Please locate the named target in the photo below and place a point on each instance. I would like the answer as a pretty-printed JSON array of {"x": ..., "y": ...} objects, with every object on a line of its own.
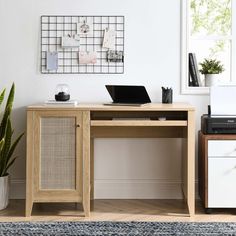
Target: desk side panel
[
  {"x": 86, "y": 162},
  {"x": 191, "y": 163},
  {"x": 29, "y": 163}
]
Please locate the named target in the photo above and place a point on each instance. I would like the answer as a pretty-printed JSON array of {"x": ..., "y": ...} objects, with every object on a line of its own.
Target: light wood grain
[
  {"x": 36, "y": 146},
  {"x": 34, "y": 191},
  {"x": 29, "y": 164},
  {"x": 57, "y": 196},
  {"x": 116, "y": 210},
  {"x": 79, "y": 156},
  {"x": 89, "y": 129},
  {"x": 101, "y": 107},
  {"x": 191, "y": 163},
  {"x": 52, "y": 195},
  {"x": 86, "y": 162}
]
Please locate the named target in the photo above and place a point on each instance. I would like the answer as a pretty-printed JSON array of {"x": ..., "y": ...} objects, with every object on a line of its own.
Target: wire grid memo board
[{"x": 54, "y": 27}]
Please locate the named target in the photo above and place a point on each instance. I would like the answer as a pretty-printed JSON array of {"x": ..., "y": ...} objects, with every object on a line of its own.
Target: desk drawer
[{"x": 222, "y": 148}]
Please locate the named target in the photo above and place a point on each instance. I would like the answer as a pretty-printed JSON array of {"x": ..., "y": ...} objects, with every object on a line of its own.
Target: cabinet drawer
[
  {"x": 222, "y": 148},
  {"x": 221, "y": 182}
]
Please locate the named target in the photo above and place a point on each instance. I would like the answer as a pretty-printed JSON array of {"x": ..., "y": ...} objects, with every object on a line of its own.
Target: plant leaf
[
  {"x": 7, "y": 111},
  {"x": 2, "y": 144},
  {"x": 7, "y": 145},
  {"x": 3, "y": 124},
  {"x": 2, "y": 157},
  {"x": 8, "y": 135},
  {"x": 10, "y": 98},
  {"x": 12, "y": 149},
  {"x": 8, "y": 166},
  {"x": 6, "y": 132},
  {"x": 2, "y": 96}
]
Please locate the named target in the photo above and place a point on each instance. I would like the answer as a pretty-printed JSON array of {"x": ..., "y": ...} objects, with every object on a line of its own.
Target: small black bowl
[{"x": 62, "y": 97}]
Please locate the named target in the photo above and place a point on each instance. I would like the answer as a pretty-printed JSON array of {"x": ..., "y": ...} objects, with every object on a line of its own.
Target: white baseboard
[{"x": 120, "y": 189}]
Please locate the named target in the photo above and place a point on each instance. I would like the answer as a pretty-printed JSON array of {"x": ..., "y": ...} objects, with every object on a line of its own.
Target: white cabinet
[
  {"x": 221, "y": 182},
  {"x": 221, "y": 173},
  {"x": 217, "y": 170}
]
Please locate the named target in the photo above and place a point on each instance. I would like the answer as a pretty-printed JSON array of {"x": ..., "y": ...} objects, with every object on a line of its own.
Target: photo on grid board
[
  {"x": 87, "y": 57},
  {"x": 85, "y": 28},
  {"x": 115, "y": 56}
]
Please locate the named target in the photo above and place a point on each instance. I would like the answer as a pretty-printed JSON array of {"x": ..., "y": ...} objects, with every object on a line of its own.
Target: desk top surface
[{"x": 101, "y": 107}]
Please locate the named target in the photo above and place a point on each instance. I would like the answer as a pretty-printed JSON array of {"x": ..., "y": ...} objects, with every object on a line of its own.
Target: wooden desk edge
[{"x": 101, "y": 107}]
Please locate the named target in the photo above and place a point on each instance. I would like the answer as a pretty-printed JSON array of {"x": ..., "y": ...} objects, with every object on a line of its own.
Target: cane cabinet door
[{"x": 58, "y": 156}]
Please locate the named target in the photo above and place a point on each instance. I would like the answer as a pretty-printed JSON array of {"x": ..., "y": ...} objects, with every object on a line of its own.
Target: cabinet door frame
[{"x": 59, "y": 195}]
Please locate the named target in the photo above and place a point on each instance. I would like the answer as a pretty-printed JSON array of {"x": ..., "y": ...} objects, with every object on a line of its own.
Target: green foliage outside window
[{"x": 211, "y": 17}]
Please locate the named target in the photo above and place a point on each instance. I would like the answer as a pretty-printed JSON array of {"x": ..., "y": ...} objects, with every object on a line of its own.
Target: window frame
[{"x": 185, "y": 89}]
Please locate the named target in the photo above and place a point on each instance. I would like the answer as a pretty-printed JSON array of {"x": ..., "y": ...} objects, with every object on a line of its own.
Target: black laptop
[{"x": 133, "y": 95}]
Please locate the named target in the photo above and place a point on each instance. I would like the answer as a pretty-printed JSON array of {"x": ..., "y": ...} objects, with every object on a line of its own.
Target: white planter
[
  {"x": 211, "y": 80},
  {"x": 4, "y": 191}
]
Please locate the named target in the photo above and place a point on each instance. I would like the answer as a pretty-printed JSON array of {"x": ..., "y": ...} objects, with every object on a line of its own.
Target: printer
[
  {"x": 218, "y": 125},
  {"x": 221, "y": 117}
]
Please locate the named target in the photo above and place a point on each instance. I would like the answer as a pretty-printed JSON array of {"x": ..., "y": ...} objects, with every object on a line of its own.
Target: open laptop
[{"x": 129, "y": 95}]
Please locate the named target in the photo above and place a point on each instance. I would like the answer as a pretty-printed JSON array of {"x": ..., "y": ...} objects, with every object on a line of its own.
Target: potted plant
[
  {"x": 7, "y": 147},
  {"x": 211, "y": 68}
]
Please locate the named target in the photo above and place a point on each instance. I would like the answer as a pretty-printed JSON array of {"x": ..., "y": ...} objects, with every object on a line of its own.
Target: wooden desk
[{"x": 83, "y": 123}]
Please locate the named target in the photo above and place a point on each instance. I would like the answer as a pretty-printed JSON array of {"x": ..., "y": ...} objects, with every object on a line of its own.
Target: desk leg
[
  {"x": 28, "y": 207},
  {"x": 29, "y": 165},
  {"x": 86, "y": 162},
  {"x": 191, "y": 163}
]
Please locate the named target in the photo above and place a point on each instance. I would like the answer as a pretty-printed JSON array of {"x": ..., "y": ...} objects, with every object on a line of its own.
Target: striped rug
[{"x": 116, "y": 228}]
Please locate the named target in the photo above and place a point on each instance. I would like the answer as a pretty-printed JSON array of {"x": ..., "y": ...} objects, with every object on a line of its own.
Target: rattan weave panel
[{"x": 58, "y": 152}]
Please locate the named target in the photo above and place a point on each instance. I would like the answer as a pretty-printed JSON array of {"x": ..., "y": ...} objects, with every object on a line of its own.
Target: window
[{"x": 208, "y": 31}]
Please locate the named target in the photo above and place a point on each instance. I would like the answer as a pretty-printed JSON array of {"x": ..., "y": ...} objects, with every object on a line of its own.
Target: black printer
[
  {"x": 218, "y": 125},
  {"x": 221, "y": 117}
]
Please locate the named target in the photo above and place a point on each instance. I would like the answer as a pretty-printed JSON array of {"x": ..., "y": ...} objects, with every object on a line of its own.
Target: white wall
[{"x": 123, "y": 168}]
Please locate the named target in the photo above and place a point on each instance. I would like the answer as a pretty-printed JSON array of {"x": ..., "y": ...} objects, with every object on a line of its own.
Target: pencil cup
[{"x": 167, "y": 94}]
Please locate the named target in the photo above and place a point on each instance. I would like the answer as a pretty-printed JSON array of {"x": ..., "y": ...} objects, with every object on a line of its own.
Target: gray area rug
[{"x": 116, "y": 228}]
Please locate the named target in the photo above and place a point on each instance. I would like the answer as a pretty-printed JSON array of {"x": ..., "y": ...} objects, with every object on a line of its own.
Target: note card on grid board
[
  {"x": 109, "y": 38},
  {"x": 52, "y": 60}
]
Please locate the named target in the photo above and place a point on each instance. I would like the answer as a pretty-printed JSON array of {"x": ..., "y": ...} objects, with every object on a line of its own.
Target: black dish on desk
[{"x": 62, "y": 97}]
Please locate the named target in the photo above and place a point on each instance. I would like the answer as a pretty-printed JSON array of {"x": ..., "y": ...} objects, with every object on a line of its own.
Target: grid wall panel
[{"x": 54, "y": 27}]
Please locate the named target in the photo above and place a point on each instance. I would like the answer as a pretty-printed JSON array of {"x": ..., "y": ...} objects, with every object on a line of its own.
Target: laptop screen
[{"x": 128, "y": 94}]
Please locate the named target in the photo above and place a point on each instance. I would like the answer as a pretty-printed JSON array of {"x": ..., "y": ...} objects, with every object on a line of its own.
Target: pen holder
[{"x": 167, "y": 94}]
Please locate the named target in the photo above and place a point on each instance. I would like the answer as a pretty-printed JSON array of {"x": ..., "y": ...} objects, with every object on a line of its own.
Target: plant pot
[
  {"x": 211, "y": 80},
  {"x": 4, "y": 192}
]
